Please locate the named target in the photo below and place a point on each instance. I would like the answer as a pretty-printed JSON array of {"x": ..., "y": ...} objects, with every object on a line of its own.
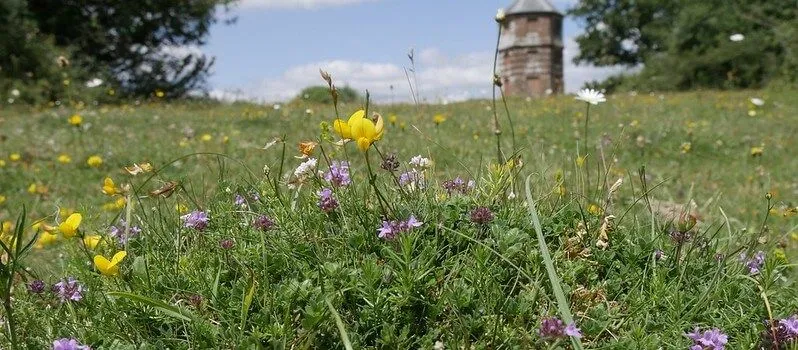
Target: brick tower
[{"x": 530, "y": 49}]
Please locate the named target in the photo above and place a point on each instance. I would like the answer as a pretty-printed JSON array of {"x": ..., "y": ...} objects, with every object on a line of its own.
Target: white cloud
[
  {"x": 295, "y": 4},
  {"x": 441, "y": 77}
]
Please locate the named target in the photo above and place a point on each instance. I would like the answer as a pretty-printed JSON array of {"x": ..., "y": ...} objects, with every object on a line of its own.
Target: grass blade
[
  {"x": 340, "y": 324},
  {"x": 169, "y": 310},
  {"x": 247, "y": 301},
  {"x": 562, "y": 302}
]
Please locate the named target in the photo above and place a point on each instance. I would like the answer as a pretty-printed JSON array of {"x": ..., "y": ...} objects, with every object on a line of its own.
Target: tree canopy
[
  {"x": 684, "y": 44},
  {"x": 137, "y": 46}
]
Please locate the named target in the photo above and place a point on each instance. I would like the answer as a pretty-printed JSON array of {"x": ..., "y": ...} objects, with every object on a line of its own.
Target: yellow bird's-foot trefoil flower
[
  {"x": 70, "y": 227},
  {"x": 360, "y": 129},
  {"x": 109, "y": 267},
  {"x": 109, "y": 188}
]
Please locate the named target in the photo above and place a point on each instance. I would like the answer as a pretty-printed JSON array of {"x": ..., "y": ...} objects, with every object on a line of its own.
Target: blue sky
[{"x": 276, "y": 47}]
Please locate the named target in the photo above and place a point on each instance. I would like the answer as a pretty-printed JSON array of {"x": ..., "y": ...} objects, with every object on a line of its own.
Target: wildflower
[
  {"x": 712, "y": 339},
  {"x": 500, "y": 16},
  {"x": 240, "y": 201},
  {"x": 752, "y": 113},
  {"x": 338, "y": 174},
  {"x": 136, "y": 169},
  {"x": 393, "y": 119},
  {"x": 94, "y": 83},
  {"x": 390, "y": 163},
  {"x": 14, "y": 157},
  {"x": 109, "y": 267},
  {"x": 438, "y": 119},
  {"x": 276, "y": 106},
  {"x": 109, "y": 188},
  {"x": 195, "y": 300},
  {"x": 327, "y": 203},
  {"x": 481, "y": 215},
  {"x": 68, "y": 344},
  {"x": 159, "y": 93},
  {"x": 75, "y": 120},
  {"x": 306, "y": 168},
  {"x": 308, "y": 112},
  {"x": 591, "y": 96},
  {"x": 457, "y": 185},
  {"x": 420, "y": 162},
  {"x": 595, "y": 210},
  {"x": 45, "y": 239},
  {"x": 572, "y": 331},
  {"x": 659, "y": 255},
  {"x": 68, "y": 290},
  {"x": 737, "y": 37},
  {"x": 360, "y": 129},
  {"x": 122, "y": 232},
  {"x": 390, "y": 229},
  {"x": 757, "y": 102},
  {"x": 15, "y": 92},
  {"x": 412, "y": 179},
  {"x": 70, "y": 226},
  {"x": 263, "y": 223},
  {"x": 94, "y": 161},
  {"x": 227, "y": 244},
  {"x": 64, "y": 158},
  {"x": 91, "y": 241},
  {"x": 2, "y": 199},
  {"x": 754, "y": 263},
  {"x": 790, "y": 327},
  {"x": 306, "y": 148},
  {"x": 686, "y": 147},
  {"x": 551, "y": 327},
  {"x": 36, "y": 287},
  {"x": 206, "y": 137},
  {"x": 197, "y": 220},
  {"x": 757, "y": 151}
]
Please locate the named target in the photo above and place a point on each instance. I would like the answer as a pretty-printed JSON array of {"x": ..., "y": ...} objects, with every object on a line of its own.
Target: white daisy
[
  {"x": 757, "y": 101},
  {"x": 94, "y": 83},
  {"x": 737, "y": 37},
  {"x": 591, "y": 96}
]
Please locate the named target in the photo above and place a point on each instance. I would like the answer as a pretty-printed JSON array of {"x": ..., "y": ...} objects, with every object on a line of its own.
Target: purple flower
[
  {"x": 240, "y": 201},
  {"x": 255, "y": 197},
  {"x": 412, "y": 179},
  {"x": 327, "y": 202},
  {"x": 69, "y": 344},
  {"x": 790, "y": 326},
  {"x": 227, "y": 244},
  {"x": 36, "y": 287},
  {"x": 551, "y": 327},
  {"x": 458, "y": 185},
  {"x": 755, "y": 263},
  {"x": 339, "y": 174},
  {"x": 263, "y": 223},
  {"x": 481, "y": 215},
  {"x": 68, "y": 290},
  {"x": 390, "y": 229},
  {"x": 197, "y": 220},
  {"x": 390, "y": 163},
  {"x": 118, "y": 232},
  {"x": 712, "y": 339},
  {"x": 572, "y": 331}
]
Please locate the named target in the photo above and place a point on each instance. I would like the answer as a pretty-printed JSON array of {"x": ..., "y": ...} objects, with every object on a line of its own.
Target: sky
[{"x": 276, "y": 47}]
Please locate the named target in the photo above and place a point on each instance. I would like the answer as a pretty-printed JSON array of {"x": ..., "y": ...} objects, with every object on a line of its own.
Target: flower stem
[
  {"x": 496, "y": 129},
  {"x": 584, "y": 140}
]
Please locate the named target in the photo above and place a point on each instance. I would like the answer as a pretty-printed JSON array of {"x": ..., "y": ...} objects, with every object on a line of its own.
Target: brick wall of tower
[{"x": 530, "y": 55}]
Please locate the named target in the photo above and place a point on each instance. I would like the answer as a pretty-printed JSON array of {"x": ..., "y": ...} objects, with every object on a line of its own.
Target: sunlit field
[{"x": 223, "y": 226}]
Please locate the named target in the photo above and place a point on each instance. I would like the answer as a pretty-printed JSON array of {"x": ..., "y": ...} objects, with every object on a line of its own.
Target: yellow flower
[
  {"x": 109, "y": 188},
  {"x": 45, "y": 239},
  {"x": 780, "y": 255},
  {"x": 91, "y": 241},
  {"x": 7, "y": 226},
  {"x": 64, "y": 158},
  {"x": 109, "y": 268},
  {"x": 120, "y": 202},
  {"x": 2, "y": 199},
  {"x": 32, "y": 188},
  {"x": 392, "y": 119},
  {"x": 111, "y": 92},
  {"x": 752, "y": 113},
  {"x": 2, "y": 163},
  {"x": 75, "y": 120},
  {"x": 159, "y": 93},
  {"x": 181, "y": 208},
  {"x": 360, "y": 129},
  {"x": 686, "y": 147},
  {"x": 595, "y": 210},
  {"x": 14, "y": 157},
  {"x": 183, "y": 142},
  {"x": 94, "y": 161},
  {"x": 69, "y": 227},
  {"x": 580, "y": 161},
  {"x": 438, "y": 119},
  {"x": 757, "y": 151},
  {"x": 225, "y": 139},
  {"x": 206, "y": 137}
]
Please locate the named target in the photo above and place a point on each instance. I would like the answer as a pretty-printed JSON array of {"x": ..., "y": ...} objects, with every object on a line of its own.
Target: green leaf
[
  {"x": 340, "y": 324},
  {"x": 562, "y": 302},
  {"x": 169, "y": 310},
  {"x": 247, "y": 300}
]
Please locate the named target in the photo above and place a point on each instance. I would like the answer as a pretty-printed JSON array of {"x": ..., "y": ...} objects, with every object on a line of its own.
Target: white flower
[
  {"x": 309, "y": 111},
  {"x": 277, "y": 106},
  {"x": 94, "y": 83},
  {"x": 15, "y": 93},
  {"x": 737, "y": 37},
  {"x": 438, "y": 345},
  {"x": 500, "y": 15},
  {"x": 306, "y": 168},
  {"x": 590, "y": 96},
  {"x": 420, "y": 162},
  {"x": 757, "y": 101}
]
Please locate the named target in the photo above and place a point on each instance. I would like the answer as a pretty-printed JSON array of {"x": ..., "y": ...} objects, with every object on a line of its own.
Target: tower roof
[{"x": 531, "y": 6}]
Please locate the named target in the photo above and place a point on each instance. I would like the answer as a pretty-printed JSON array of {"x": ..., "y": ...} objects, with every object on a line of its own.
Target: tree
[
  {"x": 141, "y": 46},
  {"x": 321, "y": 94},
  {"x": 684, "y": 44}
]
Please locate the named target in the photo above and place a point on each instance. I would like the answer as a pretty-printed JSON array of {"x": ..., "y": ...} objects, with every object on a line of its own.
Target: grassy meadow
[{"x": 643, "y": 236}]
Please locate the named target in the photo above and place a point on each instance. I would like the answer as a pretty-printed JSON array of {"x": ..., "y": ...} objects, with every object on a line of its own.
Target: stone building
[{"x": 531, "y": 49}]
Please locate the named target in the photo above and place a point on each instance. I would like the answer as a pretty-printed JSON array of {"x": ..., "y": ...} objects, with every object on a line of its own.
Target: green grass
[{"x": 327, "y": 281}]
